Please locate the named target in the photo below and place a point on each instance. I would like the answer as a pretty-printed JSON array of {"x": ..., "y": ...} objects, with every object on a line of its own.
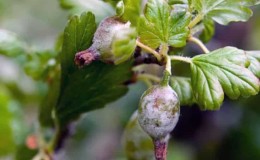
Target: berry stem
[
  {"x": 199, "y": 43},
  {"x": 166, "y": 78},
  {"x": 149, "y": 50},
  {"x": 160, "y": 149},
  {"x": 168, "y": 66},
  {"x": 164, "y": 48},
  {"x": 167, "y": 72}
]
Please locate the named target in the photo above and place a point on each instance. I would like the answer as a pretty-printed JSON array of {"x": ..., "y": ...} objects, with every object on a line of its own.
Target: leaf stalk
[
  {"x": 199, "y": 43},
  {"x": 181, "y": 58},
  {"x": 195, "y": 21},
  {"x": 149, "y": 50}
]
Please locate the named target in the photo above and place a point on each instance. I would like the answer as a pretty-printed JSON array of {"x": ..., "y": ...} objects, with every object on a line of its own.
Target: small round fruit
[
  {"x": 159, "y": 111},
  {"x": 108, "y": 31}
]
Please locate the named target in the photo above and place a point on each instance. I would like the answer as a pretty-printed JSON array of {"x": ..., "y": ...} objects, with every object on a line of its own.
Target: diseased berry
[
  {"x": 159, "y": 111},
  {"x": 108, "y": 31}
]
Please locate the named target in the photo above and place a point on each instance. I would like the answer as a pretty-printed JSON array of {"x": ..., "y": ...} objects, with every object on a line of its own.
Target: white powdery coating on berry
[
  {"x": 159, "y": 111},
  {"x": 106, "y": 31}
]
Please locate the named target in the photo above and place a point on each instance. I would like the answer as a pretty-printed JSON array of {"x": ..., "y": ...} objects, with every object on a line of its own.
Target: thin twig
[
  {"x": 199, "y": 43},
  {"x": 181, "y": 58},
  {"x": 149, "y": 76},
  {"x": 149, "y": 50},
  {"x": 168, "y": 66}
]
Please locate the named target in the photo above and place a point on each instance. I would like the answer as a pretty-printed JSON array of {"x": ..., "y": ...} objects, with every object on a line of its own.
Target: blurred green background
[{"x": 233, "y": 132}]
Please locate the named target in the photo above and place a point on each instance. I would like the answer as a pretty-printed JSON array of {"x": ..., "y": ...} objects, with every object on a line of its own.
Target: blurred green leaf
[
  {"x": 171, "y": 2},
  {"x": 93, "y": 86},
  {"x": 11, "y": 45},
  {"x": 11, "y": 128},
  {"x": 182, "y": 87},
  {"x": 40, "y": 63},
  {"x": 158, "y": 26},
  {"x": 137, "y": 144},
  {"x": 98, "y": 7},
  {"x": 223, "y": 11},
  {"x": 254, "y": 58},
  {"x": 208, "y": 31},
  {"x": 223, "y": 70},
  {"x": 132, "y": 11},
  {"x": 7, "y": 144},
  {"x": 24, "y": 153},
  {"x": 49, "y": 102},
  {"x": 120, "y": 8},
  {"x": 112, "y": 2}
]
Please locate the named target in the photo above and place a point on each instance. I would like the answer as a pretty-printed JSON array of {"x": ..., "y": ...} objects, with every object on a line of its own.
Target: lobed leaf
[
  {"x": 93, "y": 86},
  {"x": 222, "y": 71},
  {"x": 223, "y": 11},
  {"x": 182, "y": 87},
  {"x": 254, "y": 58},
  {"x": 208, "y": 31},
  {"x": 11, "y": 45},
  {"x": 158, "y": 26},
  {"x": 132, "y": 11}
]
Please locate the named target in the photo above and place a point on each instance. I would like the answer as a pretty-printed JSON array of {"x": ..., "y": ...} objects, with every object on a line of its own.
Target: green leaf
[
  {"x": 158, "y": 26},
  {"x": 132, "y": 11},
  {"x": 93, "y": 86},
  {"x": 11, "y": 127},
  {"x": 98, "y": 7},
  {"x": 172, "y": 2},
  {"x": 250, "y": 2},
  {"x": 223, "y": 70},
  {"x": 223, "y": 11},
  {"x": 23, "y": 152},
  {"x": 254, "y": 58},
  {"x": 49, "y": 102},
  {"x": 124, "y": 44},
  {"x": 208, "y": 31},
  {"x": 120, "y": 8},
  {"x": 182, "y": 87},
  {"x": 7, "y": 144},
  {"x": 10, "y": 44},
  {"x": 39, "y": 64}
]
